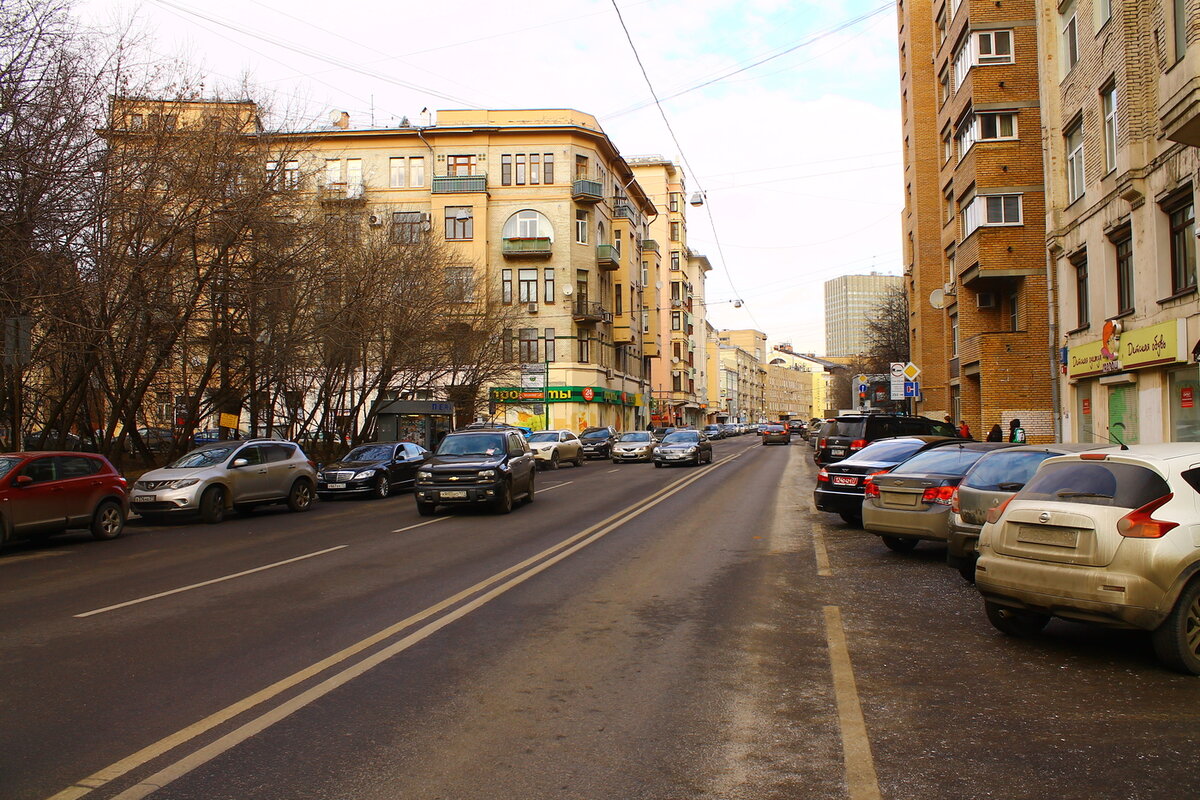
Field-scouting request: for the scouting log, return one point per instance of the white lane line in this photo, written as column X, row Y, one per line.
column 423, row 524
column 856, row 747
column 553, row 486
column 618, row 469
column 209, row 583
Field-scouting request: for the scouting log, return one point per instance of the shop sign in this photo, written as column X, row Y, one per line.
column 1090, row 359
column 589, row 394
column 1187, row 398
column 1087, row 405
column 1132, row 349
column 566, row 394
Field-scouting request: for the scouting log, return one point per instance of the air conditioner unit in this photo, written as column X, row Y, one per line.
column 948, row 288
column 375, row 220
column 425, row 221
column 986, row 300
column 608, row 372
column 532, row 308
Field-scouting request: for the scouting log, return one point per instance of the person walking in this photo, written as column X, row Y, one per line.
column 1015, row 432
column 996, row 434
column 964, row 430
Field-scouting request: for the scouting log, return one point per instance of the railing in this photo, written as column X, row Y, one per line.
column 527, row 247
column 625, row 211
column 342, row 193
column 649, row 244
column 590, row 312
column 607, row 256
column 459, row 184
column 586, row 190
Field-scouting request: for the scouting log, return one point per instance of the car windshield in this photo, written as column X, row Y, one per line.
column 1005, row 470
column 1092, row 483
column 543, row 436
column 682, row 437
column 370, row 452
column 207, row 457
column 472, row 444
column 941, row 461
column 887, row 452
column 636, row 436
column 845, row 427
column 6, row 465
column 602, row 434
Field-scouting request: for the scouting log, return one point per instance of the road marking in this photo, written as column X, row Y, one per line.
column 31, row 556
column 554, row 486
column 423, row 524
column 208, row 583
column 618, row 469
column 856, row 746
column 823, row 568
column 565, row 548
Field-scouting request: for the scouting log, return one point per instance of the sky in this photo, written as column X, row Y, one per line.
column 784, row 113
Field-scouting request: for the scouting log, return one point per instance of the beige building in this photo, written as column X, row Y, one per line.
column 740, row 386
column 787, row 393
column 813, row 398
column 849, row 299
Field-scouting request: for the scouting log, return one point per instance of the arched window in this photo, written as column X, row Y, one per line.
column 601, row 238
column 528, row 224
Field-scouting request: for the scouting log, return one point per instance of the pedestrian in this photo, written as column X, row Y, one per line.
column 964, row 430
column 1015, row 432
column 996, row 434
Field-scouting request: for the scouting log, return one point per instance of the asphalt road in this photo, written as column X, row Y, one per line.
column 634, row 633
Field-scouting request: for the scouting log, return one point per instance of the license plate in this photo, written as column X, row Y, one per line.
column 454, row 495
column 335, row 486
column 905, row 499
column 838, row 451
column 845, row 480
column 1055, row 537
column 143, row 498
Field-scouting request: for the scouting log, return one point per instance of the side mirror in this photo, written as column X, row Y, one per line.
column 22, row 481
column 239, row 462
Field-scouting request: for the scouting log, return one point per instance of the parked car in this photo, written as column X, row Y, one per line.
column 634, row 446
column 1105, row 536
column 598, row 442
column 551, row 448
column 714, row 432
column 840, row 485
column 475, row 426
column 232, row 475
column 682, row 447
column 798, row 428
column 210, row 435
column 779, row 434
column 43, row 493
column 375, row 470
column 912, row 501
column 850, row 433
column 50, row 439
column 728, row 430
column 994, row 478
column 480, row 466
column 156, row 440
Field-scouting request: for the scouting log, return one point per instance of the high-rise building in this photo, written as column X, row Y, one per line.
column 849, row 300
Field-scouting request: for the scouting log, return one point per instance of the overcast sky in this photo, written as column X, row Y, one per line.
column 799, row 156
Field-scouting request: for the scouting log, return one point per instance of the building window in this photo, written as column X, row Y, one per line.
column 1074, row 147
column 549, row 336
column 944, row 86
column 1179, row 18
column 1070, row 37
column 535, row 168
column 506, row 286
column 675, row 256
column 963, row 62
column 527, row 346
column 548, row 284
column 947, row 146
column 520, row 169
column 618, row 300
column 397, row 173
column 645, row 273
column 460, row 284
column 1183, row 247
column 291, row 175
column 954, row 335
column 416, row 173
column 333, row 171
column 1124, row 258
column 1013, row 308
column 674, row 207
column 581, row 227
column 948, row 205
column 527, row 224
column 527, row 289
column 581, row 344
column 408, row 227
column 581, row 168
column 460, row 166
column 993, row 209
column 1103, row 12
column 940, row 24
column 506, row 170
column 548, row 168
column 676, row 320
column 460, row 223
column 997, row 125
column 506, row 340
column 994, row 47
column 1108, row 104
column 965, row 134
column 1082, row 308
column 676, row 231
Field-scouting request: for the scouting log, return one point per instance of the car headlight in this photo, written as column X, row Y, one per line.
column 487, row 473
column 364, row 475
column 424, row 474
column 183, row 483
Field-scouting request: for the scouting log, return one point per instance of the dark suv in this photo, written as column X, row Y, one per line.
column 849, row 433
column 480, row 466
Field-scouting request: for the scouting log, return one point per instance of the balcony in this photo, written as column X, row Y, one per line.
column 586, row 190
column 585, row 312
column 353, row 194
column 624, row 211
column 528, row 247
column 459, row 184
column 1179, row 101
column 649, row 245
column 607, row 257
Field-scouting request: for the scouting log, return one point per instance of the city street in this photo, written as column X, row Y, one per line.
column 633, row 633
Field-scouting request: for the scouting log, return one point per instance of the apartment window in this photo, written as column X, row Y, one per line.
column 527, row 346
column 941, row 26
column 1013, row 309
column 1179, row 19
column 396, row 173
column 549, row 337
column 1103, row 12
column 1108, row 105
column 506, row 164
column 676, row 231
column 333, row 171
column 994, row 47
column 581, row 167
column 506, row 287
column 460, row 223
column 1082, row 308
column 997, row 125
column 947, row 146
column 520, row 169
column 645, row 320
column 535, row 168
column 645, row 273
column 408, row 227
column 962, row 63
column 954, row 335
column 965, row 134
column 1183, row 246
column 548, row 168
column 1074, row 147
column 581, row 343
column 948, row 205
column 676, row 320
column 674, row 201
column 1124, row 258
column 676, row 292
column 354, row 179
column 291, row 175
column 618, row 300
column 527, row 285
column 1070, row 37
column 675, row 256
column 548, row 285
column 944, row 86
column 460, row 166
column 581, row 227
column 136, row 122
column 527, row 224
column 506, row 339
column 460, row 284
column 416, row 173
column 1002, row 209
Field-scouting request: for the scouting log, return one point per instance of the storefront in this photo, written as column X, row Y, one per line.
column 1134, row 385
column 422, row 421
column 570, row 407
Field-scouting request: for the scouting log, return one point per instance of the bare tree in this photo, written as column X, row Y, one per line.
column 887, row 332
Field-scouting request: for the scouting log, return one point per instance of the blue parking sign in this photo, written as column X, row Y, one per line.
column 912, row 389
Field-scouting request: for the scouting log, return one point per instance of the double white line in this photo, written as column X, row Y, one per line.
column 434, row 618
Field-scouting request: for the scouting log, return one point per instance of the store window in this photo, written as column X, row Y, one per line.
column 1185, row 405
column 1084, row 418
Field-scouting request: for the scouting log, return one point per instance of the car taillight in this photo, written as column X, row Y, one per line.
column 1138, row 524
column 869, row 487
column 858, row 444
column 823, row 476
column 954, row 501
column 938, row 494
column 822, row 442
column 995, row 512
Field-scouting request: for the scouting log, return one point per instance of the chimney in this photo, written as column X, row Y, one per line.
column 340, row 119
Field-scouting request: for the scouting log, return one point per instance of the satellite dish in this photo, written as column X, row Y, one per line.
column 567, row 290
column 937, row 298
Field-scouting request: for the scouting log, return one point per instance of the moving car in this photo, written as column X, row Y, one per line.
column 51, row 492
column 714, row 432
column 237, row 475
column 480, row 466
column 683, row 447
column 1106, row 536
column 374, row 470
column 912, row 501
column 840, row 485
column 598, row 442
column 849, row 433
column 550, row 448
column 778, row 434
column 634, row 446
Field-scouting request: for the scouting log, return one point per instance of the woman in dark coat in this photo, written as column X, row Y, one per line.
column 996, row 434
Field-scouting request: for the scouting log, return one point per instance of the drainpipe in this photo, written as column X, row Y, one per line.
column 1055, row 391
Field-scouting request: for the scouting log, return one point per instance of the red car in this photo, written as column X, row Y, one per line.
column 49, row 492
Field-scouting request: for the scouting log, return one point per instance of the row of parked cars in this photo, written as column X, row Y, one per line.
column 1085, row 532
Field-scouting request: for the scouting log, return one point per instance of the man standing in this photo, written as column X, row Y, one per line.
column 1015, row 432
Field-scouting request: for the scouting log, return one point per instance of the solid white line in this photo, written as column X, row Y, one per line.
column 618, row 469
column 861, row 780
column 423, row 524
column 554, row 486
column 209, row 583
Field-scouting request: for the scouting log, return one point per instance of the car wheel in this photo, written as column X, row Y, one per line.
column 967, row 570
column 899, row 544
column 108, row 520
column 426, row 509
column 212, row 505
column 579, row 460
column 300, row 498
column 553, row 460
column 854, row 520
column 1177, row 639
column 504, row 503
column 658, row 463
column 1015, row 621
column 382, row 488
column 616, row 461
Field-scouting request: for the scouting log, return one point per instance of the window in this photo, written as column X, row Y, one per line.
column 460, row 284
column 527, row 224
column 1082, row 309
column 548, row 284
column 581, row 346
column 506, row 165
column 954, row 335
column 460, row 223
column 333, row 171
column 535, row 168
column 1013, row 306
column 527, row 285
column 948, row 205
column 354, row 179
column 1074, row 147
column 675, row 256
column 645, row 273
column 581, row 167
column 581, row 227
column 408, row 227
column 676, row 320
column 550, row 344
column 944, row 86
column 994, row 209
column 940, row 24
column 1108, row 105
column 1179, row 18
column 1124, row 258
column 507, row 341
column 506, row 287
column 947, row 146
column 1070, row 37
column 520, row 169
column 1183, row 247
column 291, row 175
column 548, row 168
column 962, row 63
column 527, row 346
column 674, row 201
column 416, row 173
column 460, row 166
column 1103, row 12
column 994, row 47
column 676, row 231
column 965, row 134
column 618, row 300
column 997, row 125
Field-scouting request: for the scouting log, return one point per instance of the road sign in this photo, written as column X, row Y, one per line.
column 532, row 368
column 896, row 369
column 912, row 389
column 862, row 387
column 911, row 371
column 860, row 379
column 533, row 380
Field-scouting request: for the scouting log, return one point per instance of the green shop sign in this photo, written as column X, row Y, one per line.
column 566, row 394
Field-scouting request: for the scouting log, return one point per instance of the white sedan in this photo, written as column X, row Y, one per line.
column 551, row 448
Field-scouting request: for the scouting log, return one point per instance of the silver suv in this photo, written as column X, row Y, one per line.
column 220, row 476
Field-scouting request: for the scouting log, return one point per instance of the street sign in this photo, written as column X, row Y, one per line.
column 533, row 380
column 532, row 368
column 860, row 379
column 896, row 369
column 912, row 389
column 862, row 387
column 911, row 371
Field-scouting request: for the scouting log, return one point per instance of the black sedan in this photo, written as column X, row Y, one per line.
column 683, row 447
column 598, row 442
column 372, row 469
column 841, row 485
